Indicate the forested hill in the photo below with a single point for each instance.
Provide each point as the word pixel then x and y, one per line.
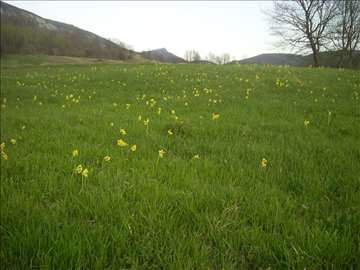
pixel 26 33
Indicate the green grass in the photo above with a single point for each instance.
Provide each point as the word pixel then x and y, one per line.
pixel 140 211
pixel 15 61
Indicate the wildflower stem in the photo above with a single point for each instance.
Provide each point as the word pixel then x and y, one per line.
pixel 82 184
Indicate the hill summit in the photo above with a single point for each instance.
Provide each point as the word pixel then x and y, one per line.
pixel 162 55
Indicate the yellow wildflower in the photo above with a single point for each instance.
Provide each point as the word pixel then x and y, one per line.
pixel 4 155
pixel 107 158
pixel 79 169
pixel 122 131
pixel 13 141
pixel 172 111
pixel 215 116
pixel 264 163
pixel 75 153
pixel 121 143
pixel 306 122
pixel 133 148
pixel 196 156
pixel 146 122
pixel 127 106
pixel 170 132
pixel 161 153
pixel 85 173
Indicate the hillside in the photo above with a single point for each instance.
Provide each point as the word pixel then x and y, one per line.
pixel 328 59
pixel 162 55
pixel 26 33
pixel 18 61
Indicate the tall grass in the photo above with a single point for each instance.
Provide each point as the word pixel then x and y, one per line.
pixel 209 202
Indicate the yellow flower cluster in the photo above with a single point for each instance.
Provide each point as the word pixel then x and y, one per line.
pixel 162 152
pixel 84 172
pixel 75 152
pixel 146 122
pixel 264 163
pixel 122 131
pixel 4 156
pixel 122 143
pixel 215 116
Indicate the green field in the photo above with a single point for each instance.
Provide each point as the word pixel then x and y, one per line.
pixel 260 167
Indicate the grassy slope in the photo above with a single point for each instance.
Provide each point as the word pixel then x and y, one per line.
pixel 14 60
pixel 220 211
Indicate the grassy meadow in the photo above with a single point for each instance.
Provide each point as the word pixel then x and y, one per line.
pixel 235 167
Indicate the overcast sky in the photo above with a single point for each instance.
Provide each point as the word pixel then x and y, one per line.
pixel 238 28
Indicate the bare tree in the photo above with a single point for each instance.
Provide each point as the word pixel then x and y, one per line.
pixel 211 57
pixel 225 58
pixel 188 55
pixel 192 55
pixel 196 56
pixel 345 31
pixel 218 60
pixel 302 24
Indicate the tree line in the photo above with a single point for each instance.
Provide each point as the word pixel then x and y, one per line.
pixel 193 55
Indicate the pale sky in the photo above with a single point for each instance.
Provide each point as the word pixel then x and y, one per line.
pixel 238 28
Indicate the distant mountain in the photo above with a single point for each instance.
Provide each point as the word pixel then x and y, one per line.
pixel 274 59
pixel 162 55
pixel 328 59
pixel 23 32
